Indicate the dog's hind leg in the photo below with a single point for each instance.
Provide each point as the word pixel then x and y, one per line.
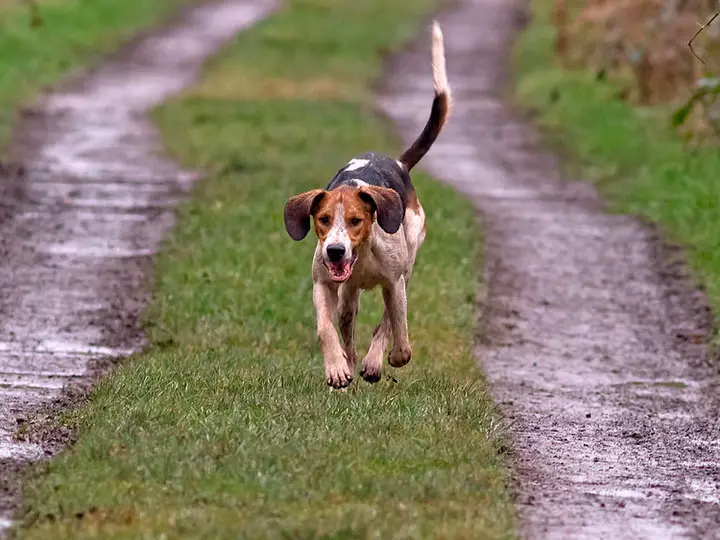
pixel 337 371
pixel 371 369
pixel 395 296
pixel 347 312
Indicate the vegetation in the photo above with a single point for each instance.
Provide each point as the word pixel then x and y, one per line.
pixel 42 41
pixel 632 153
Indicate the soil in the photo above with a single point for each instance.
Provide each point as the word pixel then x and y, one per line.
pixel 592 333
pixel 83 212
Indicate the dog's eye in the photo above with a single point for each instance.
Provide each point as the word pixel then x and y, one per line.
pixel 324 220
pixel 355 221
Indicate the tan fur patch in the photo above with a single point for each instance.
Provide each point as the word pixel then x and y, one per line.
pixel 413 205
pixel 413 202
pixel 358 215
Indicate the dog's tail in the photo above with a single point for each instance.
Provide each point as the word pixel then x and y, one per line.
pixel 441 106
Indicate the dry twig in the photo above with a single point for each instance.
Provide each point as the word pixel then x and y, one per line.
pixel 690 43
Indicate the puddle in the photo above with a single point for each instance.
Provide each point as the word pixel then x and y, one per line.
pixel 36 382
pixel 78 247
pixel 92 251
pixel 57 346
pixel 704 490
pixel 23 452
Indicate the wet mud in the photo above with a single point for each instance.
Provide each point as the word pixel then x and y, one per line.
pixel 81 217
pixel 592 332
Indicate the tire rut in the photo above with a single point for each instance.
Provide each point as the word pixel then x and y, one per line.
pixel 80 226
pixel 592 333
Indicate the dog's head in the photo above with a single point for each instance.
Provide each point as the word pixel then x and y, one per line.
pixel 343 219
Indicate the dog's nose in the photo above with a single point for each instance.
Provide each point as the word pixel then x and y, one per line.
pixel 335 252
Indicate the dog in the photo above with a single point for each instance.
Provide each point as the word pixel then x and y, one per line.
pixel 370 225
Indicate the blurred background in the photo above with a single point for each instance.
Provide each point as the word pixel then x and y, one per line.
pixel 643 46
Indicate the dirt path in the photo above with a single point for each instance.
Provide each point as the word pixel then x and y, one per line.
pixel 590 331
pixel 79 228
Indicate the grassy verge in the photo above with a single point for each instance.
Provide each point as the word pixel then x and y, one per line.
pixel 632 154
pixel 225 428
pixel 72 33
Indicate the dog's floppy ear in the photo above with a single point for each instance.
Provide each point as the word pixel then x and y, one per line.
pixel 298 210
pixel 387 204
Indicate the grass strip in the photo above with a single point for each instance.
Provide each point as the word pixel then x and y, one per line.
pixel 225 427
pixel 71 34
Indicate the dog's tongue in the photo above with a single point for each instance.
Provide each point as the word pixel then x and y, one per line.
pixel 340 271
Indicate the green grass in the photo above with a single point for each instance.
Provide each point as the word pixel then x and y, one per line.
pixel 225 428
pixel 73 33
pixel 633 154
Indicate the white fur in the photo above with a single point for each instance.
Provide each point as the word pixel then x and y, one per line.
pixel 414 234
pixel 355 164
pixel 338 233
pixel 359 183
pixel 440 79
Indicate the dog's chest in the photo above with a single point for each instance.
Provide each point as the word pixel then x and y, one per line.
pixel 368 273
pixel 382 260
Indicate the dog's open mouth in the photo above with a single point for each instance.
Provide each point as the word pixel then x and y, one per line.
pixel 342 270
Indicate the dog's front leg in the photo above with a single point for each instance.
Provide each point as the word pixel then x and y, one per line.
pixel 337 371
pixel 347 312
pixel 396 304
pixel 371 369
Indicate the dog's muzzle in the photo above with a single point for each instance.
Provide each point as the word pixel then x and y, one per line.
pixel 338 263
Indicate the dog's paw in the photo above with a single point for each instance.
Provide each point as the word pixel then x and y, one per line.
pixel 400 356
pixel 371 373
pixel 338 376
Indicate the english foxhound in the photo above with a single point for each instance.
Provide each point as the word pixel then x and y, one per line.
pixel 369 224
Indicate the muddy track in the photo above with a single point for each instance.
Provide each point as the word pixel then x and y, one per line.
pixel 79 227
pixel 592 334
